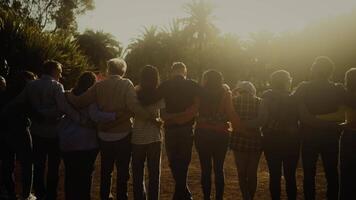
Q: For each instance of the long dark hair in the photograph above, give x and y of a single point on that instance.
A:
(85, 81)
(213, 84)
(149, 81)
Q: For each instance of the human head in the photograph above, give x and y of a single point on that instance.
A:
(53, 69)
(212, 80)
(350, 80)
(19, 80)
(85, 81)
(281, 80)
(149, 78)
(116, 66)
(179, 69)
(2, 84)
(246, 87)
(322, 68)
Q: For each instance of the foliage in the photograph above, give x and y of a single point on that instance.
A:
(56, 15)
(196, 41)
(99, 47)
(26, 47)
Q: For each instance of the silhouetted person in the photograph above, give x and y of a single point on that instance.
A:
(280, 135)
(179, 94)
(321, 97)
(348, 141)
(46, 97)
(246, 145)
(114, 94)
(79, 145)
(212, 131)
(146, 138)
(2, 133)
(18, 141)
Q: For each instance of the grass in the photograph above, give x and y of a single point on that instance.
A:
(231, 189)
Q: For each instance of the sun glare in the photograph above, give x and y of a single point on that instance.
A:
(125, 19)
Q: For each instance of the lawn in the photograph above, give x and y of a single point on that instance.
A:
(231, 189)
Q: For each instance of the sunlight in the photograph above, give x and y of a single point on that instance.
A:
(125, 19)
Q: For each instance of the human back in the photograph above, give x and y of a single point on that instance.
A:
(146, 131)
(179, 93)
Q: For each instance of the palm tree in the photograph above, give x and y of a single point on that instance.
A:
(145, 50)
(99, 47)
(199, 23)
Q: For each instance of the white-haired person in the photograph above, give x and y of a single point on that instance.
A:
(246, 144)
(114, 94)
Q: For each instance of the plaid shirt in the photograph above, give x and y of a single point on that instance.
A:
(246, 107)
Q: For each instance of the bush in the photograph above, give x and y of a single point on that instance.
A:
(26, 47)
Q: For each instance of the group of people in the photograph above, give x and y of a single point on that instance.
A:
(42, 123)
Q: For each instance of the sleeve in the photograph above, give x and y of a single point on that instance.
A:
(198, 90)
(342, 93)
(22, 97)
(63, 104)
(299, 92)
(307, 118)
(85, 99)
(261, 118)
(100, 117)
(182, 117)
(161, 104)
(134, 105)
(231, 113)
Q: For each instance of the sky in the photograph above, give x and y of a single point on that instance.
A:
(125, 19)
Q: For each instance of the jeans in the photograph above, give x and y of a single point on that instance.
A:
(21, 149)
(325, 144)
(151, 152)
(212, 148)
(79, 166)
(347, 165)
(116, 153)
(277, 161)
(282, 152)
(247, 166)
(45, 149)
(179, 144)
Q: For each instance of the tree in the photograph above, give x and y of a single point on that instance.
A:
(25, 47)
(144, 50)
(199, 22)
(54, 15)
(99, 47)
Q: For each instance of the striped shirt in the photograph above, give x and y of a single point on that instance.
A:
(144, 131)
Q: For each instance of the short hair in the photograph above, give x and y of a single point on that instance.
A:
(350, 80)
(322, 68)
(117, 66)
(50, 66)
(246, 86)
(177, 66)
(279, 79)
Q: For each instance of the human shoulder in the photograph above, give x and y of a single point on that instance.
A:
(266, 93)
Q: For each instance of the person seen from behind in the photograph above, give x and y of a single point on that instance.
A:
(281, 140)
(212, 131)
(321, 98)
(246, 145)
